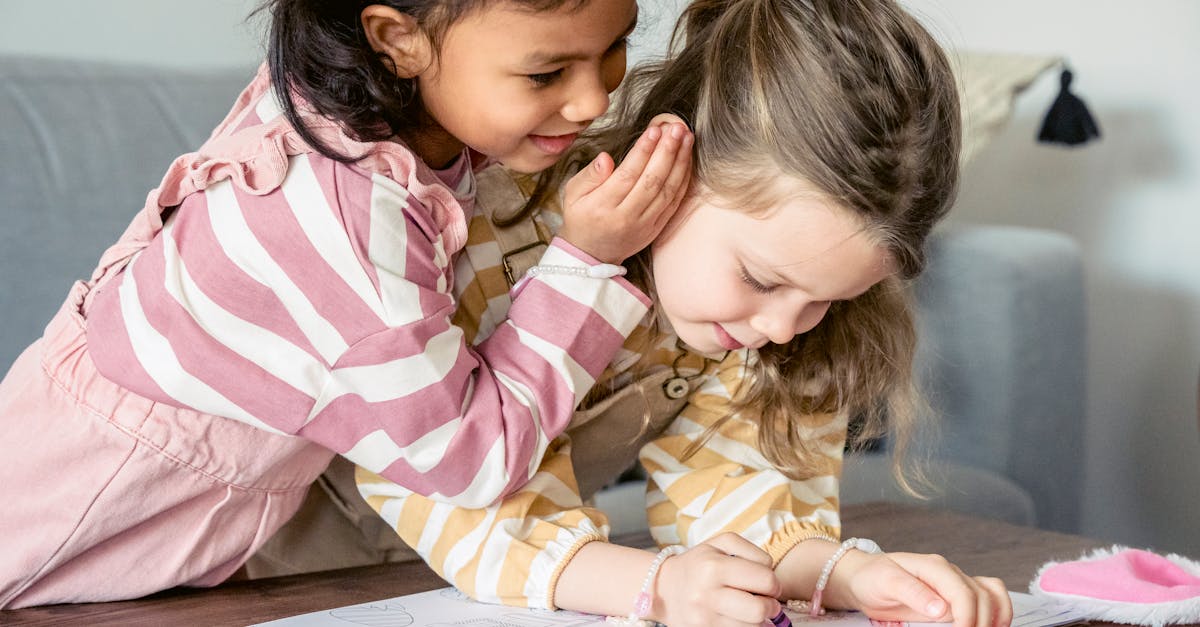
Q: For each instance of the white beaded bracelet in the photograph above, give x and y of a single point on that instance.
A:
(598, 271)
(641, 605)
(862, 544)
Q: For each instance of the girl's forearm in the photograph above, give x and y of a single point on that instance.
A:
(602, 578)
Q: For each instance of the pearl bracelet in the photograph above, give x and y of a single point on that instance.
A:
(862, 544)
(598, 271)
(641, 605)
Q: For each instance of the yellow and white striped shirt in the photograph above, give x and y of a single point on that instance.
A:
(514, 551)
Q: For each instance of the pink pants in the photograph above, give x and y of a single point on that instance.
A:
(108, 495)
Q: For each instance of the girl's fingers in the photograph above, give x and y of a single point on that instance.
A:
(677, 181)
(985, 606)
(969, 605)
(1002, 610)
(588, 179)
(653, 185)
(681, 170)
(742, 607)
(735, 545)
(922, 599)
(939, 591)
(960, 591)
(638, 182)
(935, 588)
(625, 177)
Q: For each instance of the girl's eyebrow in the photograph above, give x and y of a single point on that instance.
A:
(545, 58)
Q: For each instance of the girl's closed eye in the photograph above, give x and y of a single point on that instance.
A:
(754, 284)
(544, 79)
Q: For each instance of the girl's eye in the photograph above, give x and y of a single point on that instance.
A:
(754, 283)
(545, 78)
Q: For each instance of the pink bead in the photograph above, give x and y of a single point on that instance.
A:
(642, 605)
(815, 610)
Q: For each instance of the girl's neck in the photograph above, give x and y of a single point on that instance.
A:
(436, 147)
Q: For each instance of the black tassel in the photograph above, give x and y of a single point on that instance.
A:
(1068, 121)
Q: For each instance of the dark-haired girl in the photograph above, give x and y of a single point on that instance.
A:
(287, 294)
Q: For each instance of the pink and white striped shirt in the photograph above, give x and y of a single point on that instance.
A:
(322, 308)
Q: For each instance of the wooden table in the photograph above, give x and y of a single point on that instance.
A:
(979, 546)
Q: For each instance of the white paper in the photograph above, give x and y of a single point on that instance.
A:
(450, 608)
(437, 608)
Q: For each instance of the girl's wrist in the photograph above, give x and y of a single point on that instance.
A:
(648, 607)
(800, 571)
(838, 590)
(800, 567)
(667, 576)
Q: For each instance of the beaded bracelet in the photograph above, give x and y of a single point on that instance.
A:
(641, 605)
(598, 271)
(862, 544)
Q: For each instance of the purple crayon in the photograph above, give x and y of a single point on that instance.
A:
(781, 620)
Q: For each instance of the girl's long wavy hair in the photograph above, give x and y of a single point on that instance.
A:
(318, 54)
(856, 99)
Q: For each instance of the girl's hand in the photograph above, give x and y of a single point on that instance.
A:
(919, 588)
(612, 214)
(725, 581)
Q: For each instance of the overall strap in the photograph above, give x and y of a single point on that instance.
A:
(521, 245)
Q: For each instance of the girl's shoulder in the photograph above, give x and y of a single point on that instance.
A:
(256, 146)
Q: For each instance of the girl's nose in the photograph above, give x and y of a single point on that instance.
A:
(773, 330)
(777, 328)
(587, 101)
(785, 321)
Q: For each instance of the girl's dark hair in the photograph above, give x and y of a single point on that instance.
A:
(321, 62)
(855, 99)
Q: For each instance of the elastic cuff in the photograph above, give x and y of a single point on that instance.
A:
(793, 533)
(562, 565)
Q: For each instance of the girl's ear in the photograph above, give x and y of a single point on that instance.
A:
(399, 36)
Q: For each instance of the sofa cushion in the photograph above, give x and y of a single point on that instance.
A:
(956, 487)
(83, 144)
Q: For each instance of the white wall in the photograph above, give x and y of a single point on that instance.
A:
(1132, 200)
(177, 33)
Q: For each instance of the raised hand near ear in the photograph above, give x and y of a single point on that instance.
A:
(613, 211)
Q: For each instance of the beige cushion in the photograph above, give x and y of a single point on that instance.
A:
(989, 84)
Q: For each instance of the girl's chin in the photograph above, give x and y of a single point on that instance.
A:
(706, 345)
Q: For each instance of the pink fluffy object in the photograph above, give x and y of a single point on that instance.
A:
(1124, 585)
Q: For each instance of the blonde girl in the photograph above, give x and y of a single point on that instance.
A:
(827, 135)
(288, 292)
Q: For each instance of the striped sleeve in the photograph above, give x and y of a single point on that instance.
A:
(323, 309)
(728, 485)
(511, 553)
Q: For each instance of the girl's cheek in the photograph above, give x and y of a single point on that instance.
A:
(812, 320)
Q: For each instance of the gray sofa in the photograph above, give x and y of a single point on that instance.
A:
(1002, 352)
